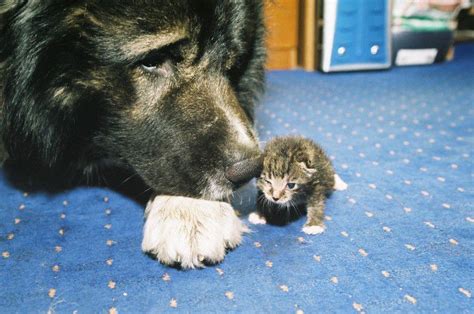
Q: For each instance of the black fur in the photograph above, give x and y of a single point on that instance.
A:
(75, 95)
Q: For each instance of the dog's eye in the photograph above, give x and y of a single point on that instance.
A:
(149, 67)
(152, 63)
(156, 59)
(292, 185)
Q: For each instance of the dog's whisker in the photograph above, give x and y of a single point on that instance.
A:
(146, 190)
(128, 179)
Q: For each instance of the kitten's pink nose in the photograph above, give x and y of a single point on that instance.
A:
(276, 195)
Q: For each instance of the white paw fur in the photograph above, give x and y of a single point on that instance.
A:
(256, 219)
(189, 231)
(313, 229)
(339, 184)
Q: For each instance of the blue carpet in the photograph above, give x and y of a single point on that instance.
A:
(400, 239)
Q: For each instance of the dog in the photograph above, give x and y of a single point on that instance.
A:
(166, 88)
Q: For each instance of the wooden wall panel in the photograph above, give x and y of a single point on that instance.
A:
(307, 52)
(282, 38)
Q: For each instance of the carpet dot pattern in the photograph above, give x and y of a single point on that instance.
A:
(400, 238)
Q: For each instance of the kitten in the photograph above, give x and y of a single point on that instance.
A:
(296, 174)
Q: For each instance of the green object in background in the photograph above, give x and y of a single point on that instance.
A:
(425, 24)
(424, 15)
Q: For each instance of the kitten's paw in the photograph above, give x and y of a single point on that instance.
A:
(256, 219)
(189, 232)
(313, 229)
(339, 184)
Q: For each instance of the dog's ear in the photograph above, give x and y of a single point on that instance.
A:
(51, 129)
(48, 116)
(7, 9)
(9, 5)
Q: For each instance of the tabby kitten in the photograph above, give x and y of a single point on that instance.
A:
(296, 174)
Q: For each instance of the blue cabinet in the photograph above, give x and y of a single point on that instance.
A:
(356, 35)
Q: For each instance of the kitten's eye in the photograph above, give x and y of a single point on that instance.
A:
(268, 181)
(292, 185)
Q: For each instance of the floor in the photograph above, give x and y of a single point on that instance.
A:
(399, 239)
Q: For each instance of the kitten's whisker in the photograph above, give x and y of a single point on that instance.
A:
(265, 202)
(293, 204)
(288, 212)
(262, 199)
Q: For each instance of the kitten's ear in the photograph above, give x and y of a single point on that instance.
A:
(306, 162)
(307, 168)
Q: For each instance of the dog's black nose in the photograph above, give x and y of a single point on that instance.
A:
(244, 170)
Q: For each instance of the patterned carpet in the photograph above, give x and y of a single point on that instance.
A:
(399, 239)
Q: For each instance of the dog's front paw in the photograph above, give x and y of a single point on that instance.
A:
(188, 231)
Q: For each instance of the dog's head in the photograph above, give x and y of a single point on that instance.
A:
(166, 87)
